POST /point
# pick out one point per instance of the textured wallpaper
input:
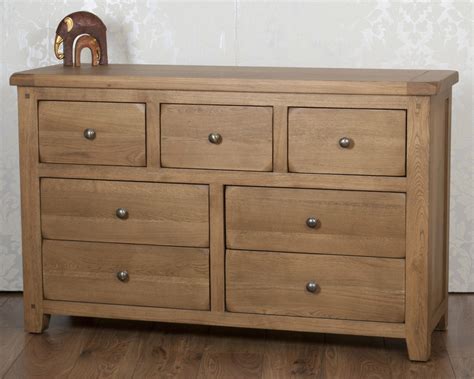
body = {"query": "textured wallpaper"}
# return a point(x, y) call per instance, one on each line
point(388, 34)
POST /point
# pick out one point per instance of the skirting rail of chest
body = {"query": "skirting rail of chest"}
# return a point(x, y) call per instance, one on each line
point(296, 199)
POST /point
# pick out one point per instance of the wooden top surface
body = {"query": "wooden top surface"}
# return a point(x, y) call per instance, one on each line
point(246, 79)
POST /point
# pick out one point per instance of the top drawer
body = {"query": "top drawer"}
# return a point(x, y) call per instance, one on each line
point(216, 137)
point(92, 133)
point(347, 141)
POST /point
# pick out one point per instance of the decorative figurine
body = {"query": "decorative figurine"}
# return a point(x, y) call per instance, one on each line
point(89, 42)
point(75, 25)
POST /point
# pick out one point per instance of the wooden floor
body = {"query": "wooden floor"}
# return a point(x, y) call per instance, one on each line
point(92, 348)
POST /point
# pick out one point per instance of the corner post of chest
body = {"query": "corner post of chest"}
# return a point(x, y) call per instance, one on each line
point(35, 320)
point(417, 323)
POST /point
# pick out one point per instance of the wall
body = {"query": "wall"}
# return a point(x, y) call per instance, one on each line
point(319, 33)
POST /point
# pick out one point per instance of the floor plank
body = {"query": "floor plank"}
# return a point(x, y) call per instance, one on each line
point(439, 365)
point(354, 357)
point(51, 354)
point(86, 347)
point(292, 355)
point(12, 343)
point(233, 353)
point(111, 350)
point(173, 351)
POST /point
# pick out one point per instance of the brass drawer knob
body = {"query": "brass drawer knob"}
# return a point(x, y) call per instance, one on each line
point(122, 276)
point(312, 222)
point(121, 213)
point(311, 286)
point(345, 142)
point(89, 134)
point(215, 138)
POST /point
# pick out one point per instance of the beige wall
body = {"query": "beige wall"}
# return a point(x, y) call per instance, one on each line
point(318, 33)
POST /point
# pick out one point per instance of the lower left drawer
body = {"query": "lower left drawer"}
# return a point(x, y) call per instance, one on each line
point(158, 276)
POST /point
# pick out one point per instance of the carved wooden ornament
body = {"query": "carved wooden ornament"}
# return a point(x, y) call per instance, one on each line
point(76, 25)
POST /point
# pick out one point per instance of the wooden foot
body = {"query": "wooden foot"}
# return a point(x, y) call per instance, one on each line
point(36, 322)
point(419, 349)
point(443, 323)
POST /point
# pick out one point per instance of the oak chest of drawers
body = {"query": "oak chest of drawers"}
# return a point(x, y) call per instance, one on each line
point(296, 199)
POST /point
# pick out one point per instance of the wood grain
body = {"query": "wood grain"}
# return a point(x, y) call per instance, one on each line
point(350, 222)
point(217, 247)
point(440, 140)
point(153, 145)
point(120, 133)
point(224, 98)
point(161, 214)
point(320, 181)
point(354, 288)
point(233, 354)
point(382, 202)
point(52, 354)
point(111, 351)
point(292, 355)
point(12, 343)
point(250, 79)
point(167, 350)
point(239, 320)
point(377, 141)
point(35, 319)
point(246, 137)
point(355, 357)
point(280, 139)
point(170, 277)
point(173, 351)
point(417, 226)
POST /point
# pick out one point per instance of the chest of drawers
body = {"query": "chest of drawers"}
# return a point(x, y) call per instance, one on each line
point(295, 199)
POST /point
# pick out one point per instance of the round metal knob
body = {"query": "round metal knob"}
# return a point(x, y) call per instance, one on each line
point(311, 286)
point(121, 213)
point(312, 222)
point(122, 276)
point(345, 142)
point(89, 134)
point(215, 138)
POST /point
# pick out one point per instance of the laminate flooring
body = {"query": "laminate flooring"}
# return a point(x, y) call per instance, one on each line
point(75, 347)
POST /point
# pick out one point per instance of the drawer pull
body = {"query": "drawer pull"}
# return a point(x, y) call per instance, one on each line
point(90, 134)
point(215, 138)
point(312, 222)
point(121, 213)
point(312, 286)
point(345, 142)
point(122, 276)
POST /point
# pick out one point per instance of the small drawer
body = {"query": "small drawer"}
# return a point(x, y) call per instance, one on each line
point(169, 277)
point(316, 221)
point(92, 133)
point(216, 137)
point(341, 287)
point(347, 141)
point(108, 211)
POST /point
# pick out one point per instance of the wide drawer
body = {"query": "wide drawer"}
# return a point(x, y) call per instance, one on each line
point(216, 137)
point(109, 211)
point(92, 133)
point(170, 277)
point(342, 287)
point(316, 221)
point(347, 141)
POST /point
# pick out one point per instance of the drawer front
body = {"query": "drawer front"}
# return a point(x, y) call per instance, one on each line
point(92, 133)
point(316, 221)
point(108, 211)
point(170, 277)
point(241, 137)
point(355, 288)
point(347, 141)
